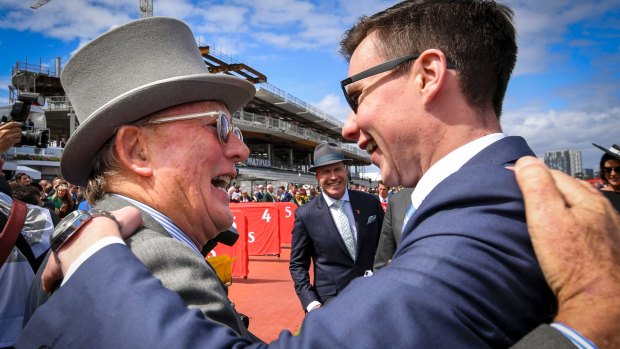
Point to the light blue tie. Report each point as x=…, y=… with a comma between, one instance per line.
x=343, y=227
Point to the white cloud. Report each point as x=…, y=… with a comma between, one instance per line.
x=272, y=13
x=172, y=8
x=562, y=130
x=220, y=20
x=331, y=104
x=58, y=19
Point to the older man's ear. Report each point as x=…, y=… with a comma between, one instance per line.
x=132, y=152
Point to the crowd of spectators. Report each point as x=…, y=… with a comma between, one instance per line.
x=58, y=195
x=299, y=194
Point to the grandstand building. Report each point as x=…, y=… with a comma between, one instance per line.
x=280, y=130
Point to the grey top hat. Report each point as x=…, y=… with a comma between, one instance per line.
x=131, y=72
x=613, y=151
x=327, y=153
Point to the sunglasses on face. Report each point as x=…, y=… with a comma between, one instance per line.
x=608, y=170
x=224, y=126
x=378, y=69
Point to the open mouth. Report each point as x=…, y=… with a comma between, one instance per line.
x=221, y=182
x=370, y=146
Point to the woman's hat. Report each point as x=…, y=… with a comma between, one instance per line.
x=131, y=72
x=614, y=151
x=327, y=153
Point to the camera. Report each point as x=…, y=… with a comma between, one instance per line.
x=33, y=124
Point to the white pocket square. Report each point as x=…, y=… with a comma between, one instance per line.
x=371, y=219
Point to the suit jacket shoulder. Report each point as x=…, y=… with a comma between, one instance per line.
x=179, y=268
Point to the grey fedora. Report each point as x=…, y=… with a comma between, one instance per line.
x=613, y=151
x=327, y=153
x=131, y=72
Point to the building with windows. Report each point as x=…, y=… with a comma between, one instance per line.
x=567, y=161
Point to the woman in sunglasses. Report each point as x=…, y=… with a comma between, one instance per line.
x=609, y=170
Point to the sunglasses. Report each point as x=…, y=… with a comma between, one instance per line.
x=224, y=126
x=378, y=69
x=608, y=170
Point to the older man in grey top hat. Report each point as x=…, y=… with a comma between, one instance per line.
x=151, y=115
x=338, y=232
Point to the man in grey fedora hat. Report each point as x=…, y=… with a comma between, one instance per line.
x=151, y=115
x=338, y=232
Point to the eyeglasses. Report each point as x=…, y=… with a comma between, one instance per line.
x=609, y=169
x=378, y=69
x=224, y=127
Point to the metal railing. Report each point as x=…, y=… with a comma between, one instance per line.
x=299, y=103
x=58, y=103
x=35, y=68
x=251, y=119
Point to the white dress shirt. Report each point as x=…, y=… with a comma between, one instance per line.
x=448, y=165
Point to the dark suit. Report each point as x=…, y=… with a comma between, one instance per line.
x=316, y=238
x=464, y=276
x=154, y=317
x=392, y=228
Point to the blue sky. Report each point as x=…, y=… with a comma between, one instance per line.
x=564, y=94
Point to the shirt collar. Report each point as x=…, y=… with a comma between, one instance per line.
x=448, y=165
x=165, y=222
x=330, y=200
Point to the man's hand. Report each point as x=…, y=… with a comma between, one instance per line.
x=576, y=236
x=10, y=134
x=94, y=230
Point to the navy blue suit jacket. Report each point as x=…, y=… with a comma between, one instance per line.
x=316, y=238
x=464, y=276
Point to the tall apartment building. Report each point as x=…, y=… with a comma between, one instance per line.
x=567, y=161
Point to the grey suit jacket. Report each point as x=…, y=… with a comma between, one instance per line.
x=392, y=228
x=544, y=337
x=179, y=268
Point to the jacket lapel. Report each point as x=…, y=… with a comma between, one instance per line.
x=360, y=224
x=504, y=152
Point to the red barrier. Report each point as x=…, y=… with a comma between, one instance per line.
x=263, y=227
x=287, y=220
x=239, y=249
